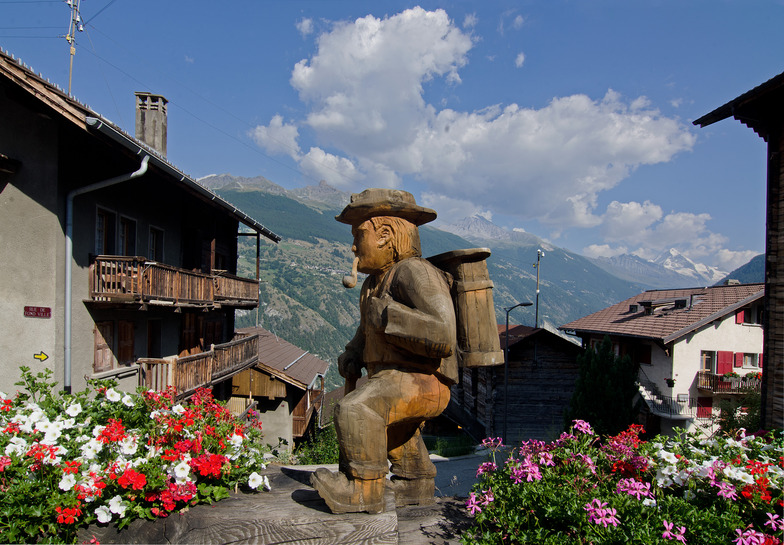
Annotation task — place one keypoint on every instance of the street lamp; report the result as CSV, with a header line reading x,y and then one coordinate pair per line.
x,y
506,362
537,266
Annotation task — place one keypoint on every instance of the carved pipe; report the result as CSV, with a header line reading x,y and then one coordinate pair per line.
x,y
350,280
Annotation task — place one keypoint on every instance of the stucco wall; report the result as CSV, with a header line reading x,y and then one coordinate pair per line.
x,y
30,248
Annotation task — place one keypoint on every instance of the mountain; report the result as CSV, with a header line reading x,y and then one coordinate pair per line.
x,y
669,270
750,273
679,263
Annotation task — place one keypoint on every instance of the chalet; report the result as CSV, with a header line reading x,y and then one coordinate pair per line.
x,y
761,110
541,376
694,346
286,384
114,263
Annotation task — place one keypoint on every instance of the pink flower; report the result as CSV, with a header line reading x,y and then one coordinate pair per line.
x,y
487,497
727,491
473,504
749,537
583,427
5,461
599,513
485,468
493,443
678,535
635,488
775,522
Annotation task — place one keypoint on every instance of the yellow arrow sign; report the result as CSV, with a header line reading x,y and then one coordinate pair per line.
x,y
41,356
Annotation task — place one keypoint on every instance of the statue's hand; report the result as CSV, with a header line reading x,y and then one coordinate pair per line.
x,y
376,311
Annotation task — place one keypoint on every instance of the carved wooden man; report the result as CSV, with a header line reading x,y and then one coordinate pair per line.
x,y
407,341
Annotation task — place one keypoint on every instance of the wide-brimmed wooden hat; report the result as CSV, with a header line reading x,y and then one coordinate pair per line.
x,y
385,202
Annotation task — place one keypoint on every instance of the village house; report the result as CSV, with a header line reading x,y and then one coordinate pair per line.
x,y
286,386
761,110
695,346
114,263
541,376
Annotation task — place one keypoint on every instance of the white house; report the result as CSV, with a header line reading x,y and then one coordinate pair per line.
x,y
694,346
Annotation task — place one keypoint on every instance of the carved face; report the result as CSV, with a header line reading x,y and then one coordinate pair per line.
x,y
373,247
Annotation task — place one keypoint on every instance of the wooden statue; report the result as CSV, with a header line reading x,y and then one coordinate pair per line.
x,y
407,342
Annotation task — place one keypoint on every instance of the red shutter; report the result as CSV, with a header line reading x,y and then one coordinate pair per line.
x,y
738,359
704,407
739,316
760,361
723,362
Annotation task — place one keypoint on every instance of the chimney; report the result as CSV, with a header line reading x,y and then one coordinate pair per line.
x,y
151,121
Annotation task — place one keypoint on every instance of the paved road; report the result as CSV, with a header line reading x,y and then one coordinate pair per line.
x,y
456,475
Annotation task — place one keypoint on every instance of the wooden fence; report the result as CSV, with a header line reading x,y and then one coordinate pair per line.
x,y
122,278
200,370
735,385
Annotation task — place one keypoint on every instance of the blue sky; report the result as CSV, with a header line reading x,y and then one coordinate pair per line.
x,y
567,119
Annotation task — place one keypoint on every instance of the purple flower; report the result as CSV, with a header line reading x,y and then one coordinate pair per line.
x,y
493,443
485,468
473,504
678,535
599,513
583,427
546,459
727,491
527,470
775,522
749,537
635,488
487,497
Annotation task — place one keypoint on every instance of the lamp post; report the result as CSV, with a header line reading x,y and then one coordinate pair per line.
x,y
537,266
506,363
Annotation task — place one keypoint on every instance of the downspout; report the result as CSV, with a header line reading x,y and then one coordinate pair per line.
x,y
69,255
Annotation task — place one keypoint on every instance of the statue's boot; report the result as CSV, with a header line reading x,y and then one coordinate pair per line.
x,y
412,491
344,495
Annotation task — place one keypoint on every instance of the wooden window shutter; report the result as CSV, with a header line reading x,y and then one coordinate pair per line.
x,y
704,407
760,361
723,362
738,359
104,339
740,316
125,342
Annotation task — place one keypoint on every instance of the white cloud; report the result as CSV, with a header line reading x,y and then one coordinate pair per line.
x,y
470,20
277,137
336,171
364,91
451,210
730,260
189,60
519,60
604,250
518,22
305,26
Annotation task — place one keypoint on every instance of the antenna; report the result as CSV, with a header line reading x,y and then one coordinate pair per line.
x,y
537,266
73,27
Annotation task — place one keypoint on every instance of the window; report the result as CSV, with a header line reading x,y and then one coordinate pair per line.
x,y
155,249
127,236
104,339
708,358
105,232
751,360
749,315
644,354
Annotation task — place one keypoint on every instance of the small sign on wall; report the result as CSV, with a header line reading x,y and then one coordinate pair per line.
x,y
38,312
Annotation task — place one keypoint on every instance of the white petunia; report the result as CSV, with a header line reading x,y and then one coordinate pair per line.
x,y
178,409
182,470
255,480
235,440
73,409
118,506
667,456
113,395
127,400
51,437
129,445
649,502
67,482
104,514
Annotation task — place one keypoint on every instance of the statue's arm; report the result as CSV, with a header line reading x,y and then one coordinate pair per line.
x,y
420,318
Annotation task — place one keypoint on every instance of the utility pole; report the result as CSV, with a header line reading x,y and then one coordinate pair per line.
x,y
73,27
538,266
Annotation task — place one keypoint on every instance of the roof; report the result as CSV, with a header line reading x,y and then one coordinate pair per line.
x,y
754,108
81,115
286,361
667,315
519,333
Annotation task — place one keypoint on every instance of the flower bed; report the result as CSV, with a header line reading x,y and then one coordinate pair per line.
x,y
582,489
103,456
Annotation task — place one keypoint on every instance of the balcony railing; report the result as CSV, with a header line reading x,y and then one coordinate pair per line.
x,y
200,370
735,385
135,279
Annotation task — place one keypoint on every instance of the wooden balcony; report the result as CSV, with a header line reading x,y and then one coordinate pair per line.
x,y
717,384
200,370
123,279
